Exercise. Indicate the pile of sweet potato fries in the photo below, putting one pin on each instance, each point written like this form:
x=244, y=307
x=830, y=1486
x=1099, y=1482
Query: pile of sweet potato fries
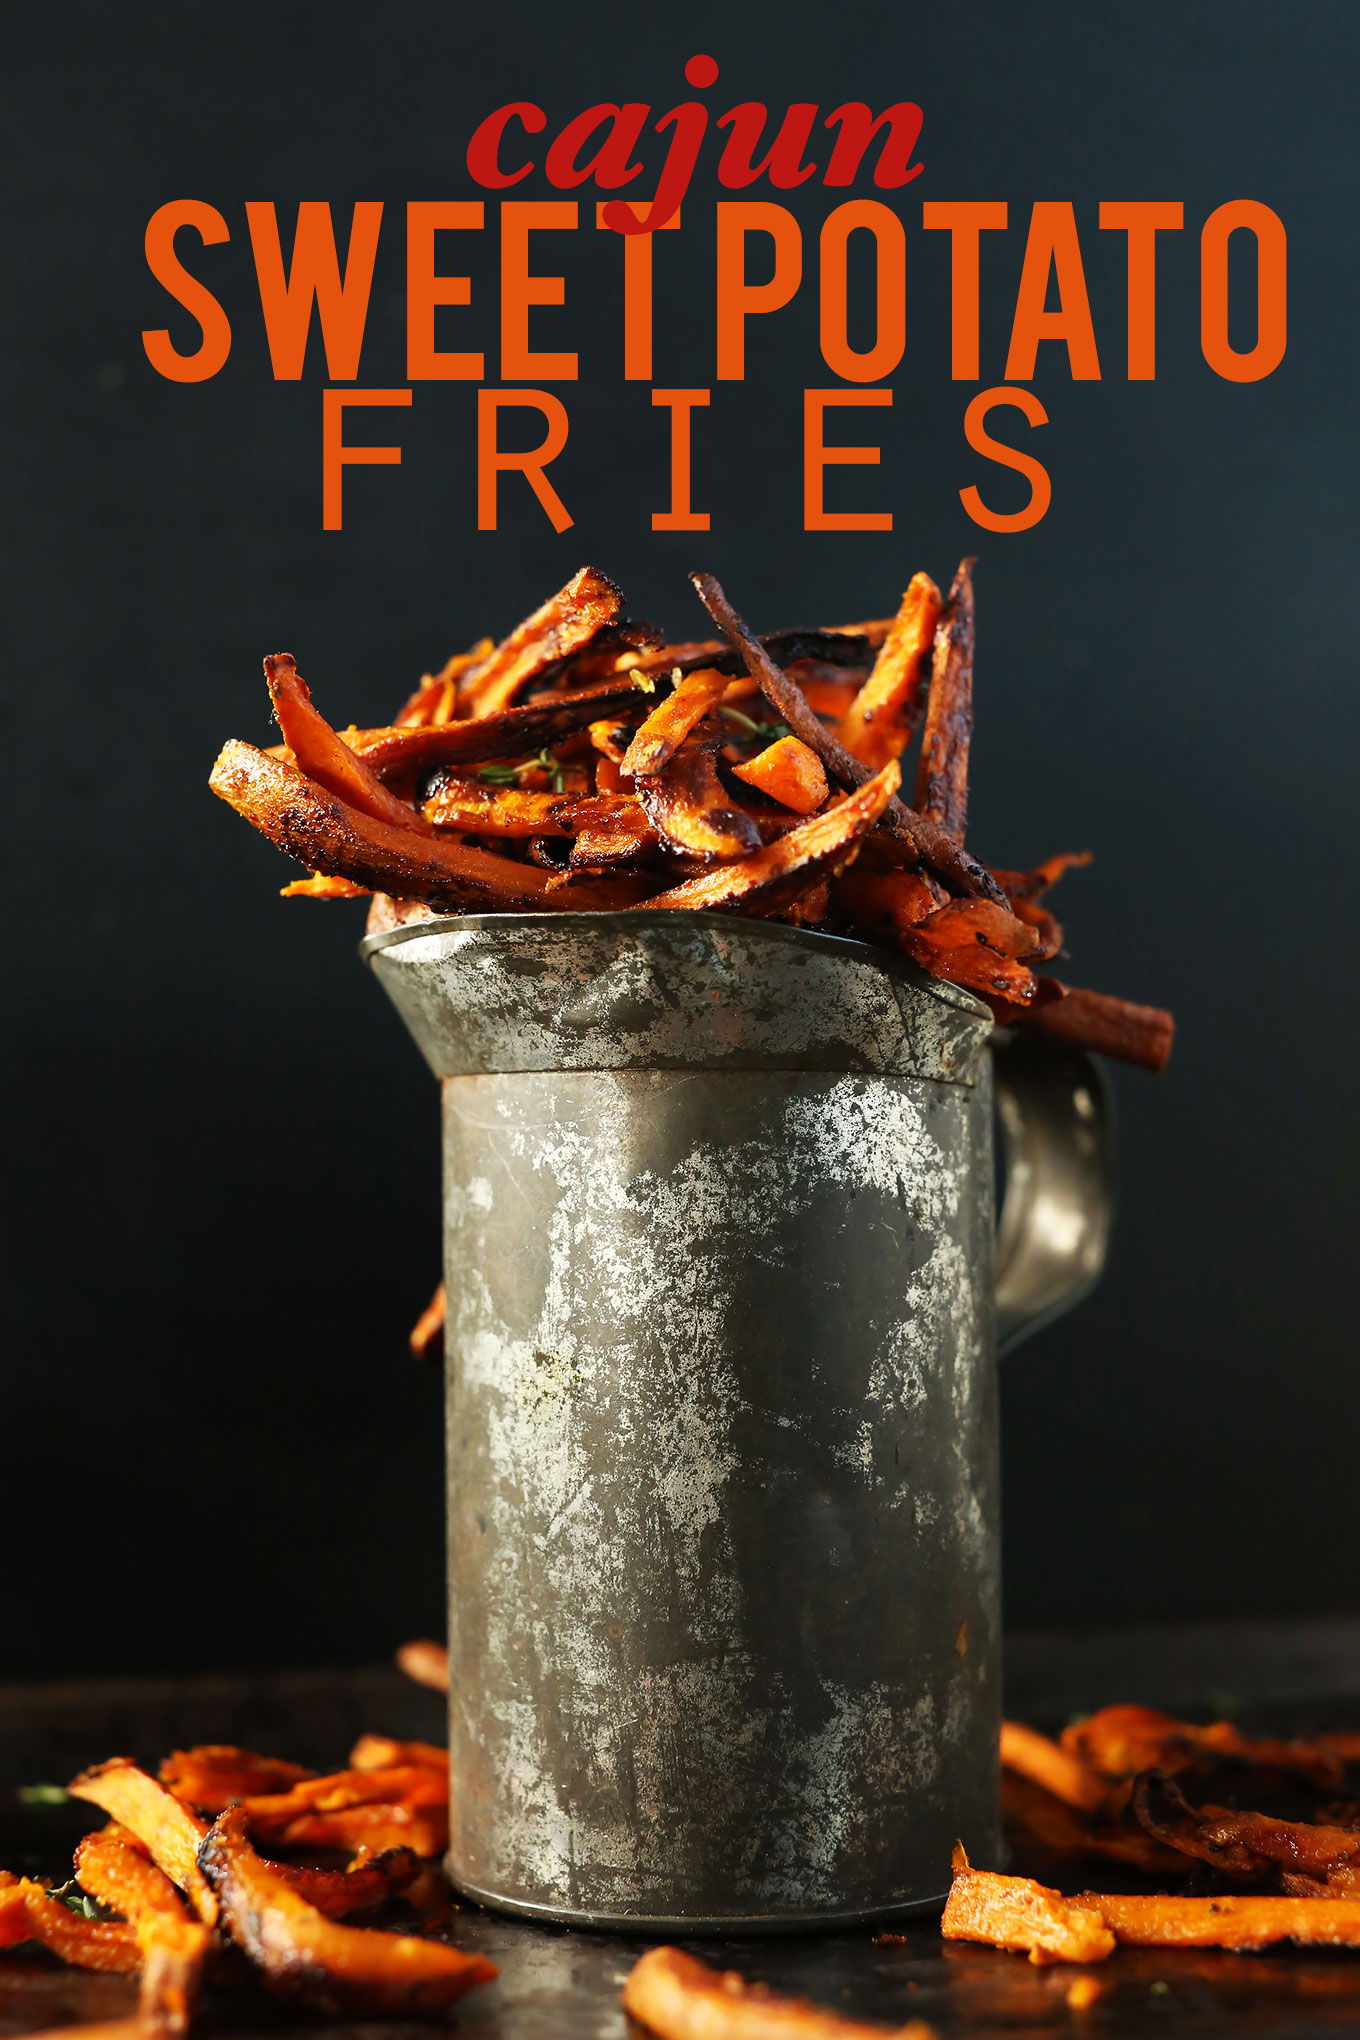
x=583, y=764
x=180, y=1874
x=1163, y=1800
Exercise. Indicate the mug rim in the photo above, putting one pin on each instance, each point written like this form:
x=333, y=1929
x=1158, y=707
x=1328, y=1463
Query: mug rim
x=890, y=961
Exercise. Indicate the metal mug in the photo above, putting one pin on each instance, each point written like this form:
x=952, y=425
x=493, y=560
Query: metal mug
x=724, y=1644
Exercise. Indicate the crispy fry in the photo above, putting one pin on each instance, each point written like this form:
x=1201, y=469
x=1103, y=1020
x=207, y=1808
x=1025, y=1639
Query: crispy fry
x=883, y=717
x=788, y=772
x=612, y=832
x=1031, y=885
x=671, y=721
x=1119, y=1741
x=337, y=1893
x=1244, y=1845
x=302, y=1953
x=1035, y=1756
x=689, y=808
x=509, y=811
x=566, y=623
x=933, y=844
x=1049, y=1829
x=976, y=944
x=165, y=1826
x=426, y=1662
x=883, y=905
x=1116, y=1027
x=678, y=1997
x=324, y=757
x=174, y=1947
x=398, y=755
x=942, y=777
x=322, y=832
x=211, y=1775
x=320, y=887
x=28, y=1912
x=435, y=701
x=1017, y=1913
x=368, y=1831
x=1232, y=1921
x=415, y=1785
x=793, y=862
x=381, y=1753
x=427, y=1333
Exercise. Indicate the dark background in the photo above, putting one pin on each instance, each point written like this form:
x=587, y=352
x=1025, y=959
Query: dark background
x=222, y=1148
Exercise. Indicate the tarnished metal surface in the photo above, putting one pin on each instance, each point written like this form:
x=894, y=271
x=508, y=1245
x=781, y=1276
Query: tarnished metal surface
x=721, y=1419
x=668, y=991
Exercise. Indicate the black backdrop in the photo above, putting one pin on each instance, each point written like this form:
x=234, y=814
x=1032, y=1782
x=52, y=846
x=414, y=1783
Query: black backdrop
x=223, y=1150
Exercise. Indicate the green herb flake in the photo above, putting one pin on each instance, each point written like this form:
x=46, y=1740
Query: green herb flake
x=43, y=1795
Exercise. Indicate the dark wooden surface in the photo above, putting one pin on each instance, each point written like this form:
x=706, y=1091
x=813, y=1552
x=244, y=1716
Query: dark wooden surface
x=562, y=1985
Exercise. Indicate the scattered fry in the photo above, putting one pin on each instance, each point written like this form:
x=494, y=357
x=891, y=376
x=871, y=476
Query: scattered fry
x=426, y=1662
x=167, y=1829
x=1057, y=1770
x=1017, y=1913
x=427, y=1333
x=28, y=1912
x=678, y=1997
x=300, y=1952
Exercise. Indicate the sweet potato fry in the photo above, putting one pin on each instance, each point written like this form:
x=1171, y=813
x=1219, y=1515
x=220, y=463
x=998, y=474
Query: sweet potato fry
x=174, y=1947
x=1232, y=1921
x=614, y=830
x=1037, y=1757
x=788, y=772
x=302, y=1953
x=884, y=715
x=933, y=844
x=320, y=887
x=337, y=1893
x=28, y=1912
x=168, y=1829
x=884, y=905
x=942, y=776
x=566, y=623
x=370, y=1830
x=1243, y=1845
x=1032, y=885
x=324, y=833
x=978, y=945
x=427, y=1333
x=793, y=862
x=1115, y=1027
x=509, y=811
x=211, y=1775
x=425, y=1661
x=323, y=756
x=398, y=755
x=1048, y=1829
x=1017, y=1913
x=406, y=1784
x=435, y=701
x=1119, y=1741
x=689, y=808
x=671, y=721
x=677, y=1997
x=381, y=1753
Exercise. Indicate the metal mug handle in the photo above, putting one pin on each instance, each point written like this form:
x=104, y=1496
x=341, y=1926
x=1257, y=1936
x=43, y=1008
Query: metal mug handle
x=1056, y=1116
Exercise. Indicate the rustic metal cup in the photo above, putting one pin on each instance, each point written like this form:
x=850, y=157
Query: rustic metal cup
x=724, y=1643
